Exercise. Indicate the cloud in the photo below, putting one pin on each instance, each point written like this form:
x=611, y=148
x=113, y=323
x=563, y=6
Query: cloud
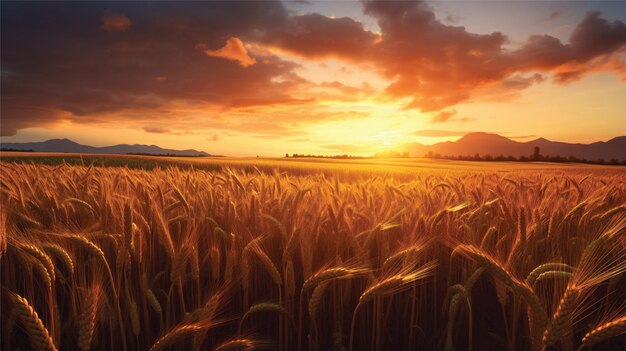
x=66, y=70
x=156, y=130
x=444, y=116
x=520, y=82
x=593, y=39
x=269, y=101
x=115, y=22
x=93, y=65
x=441, y=65
x=522, y=136
x=161, y=130
x=318, y=36
x=233, y=50
x=438, y=65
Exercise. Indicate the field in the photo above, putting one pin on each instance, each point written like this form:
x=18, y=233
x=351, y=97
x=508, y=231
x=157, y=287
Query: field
x=278, y=254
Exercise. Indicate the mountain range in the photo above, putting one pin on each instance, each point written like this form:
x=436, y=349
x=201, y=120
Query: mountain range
x=495, y=145
x=66, y=145
x=471, y=144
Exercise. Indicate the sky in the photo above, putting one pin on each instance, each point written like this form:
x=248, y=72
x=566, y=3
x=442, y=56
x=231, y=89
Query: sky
x=315, y=77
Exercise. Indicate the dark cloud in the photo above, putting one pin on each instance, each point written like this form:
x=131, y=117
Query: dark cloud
x=162, y=130
x=441, y=65
x=593, y=38
x=156, y=130
x=63, y=65
x=318, y=36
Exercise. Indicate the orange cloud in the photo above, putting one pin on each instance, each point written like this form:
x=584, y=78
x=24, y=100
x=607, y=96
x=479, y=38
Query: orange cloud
x=234, y=51
x=114, y=22
x=444, y=116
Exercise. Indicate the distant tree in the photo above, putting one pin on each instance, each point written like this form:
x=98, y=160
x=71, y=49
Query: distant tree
x=286, y=155
x=536, y=154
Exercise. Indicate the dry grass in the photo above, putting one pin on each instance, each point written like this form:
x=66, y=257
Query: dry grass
x=352, y=257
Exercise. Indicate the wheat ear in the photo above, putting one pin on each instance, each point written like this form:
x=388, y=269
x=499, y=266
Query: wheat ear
x=604, y=332
x=236, y=344
x=87, y=320
x=265, y=307
x=62, y=255
x=175, y=335
x=557, y=329
x=37, y=332
x=546, y=267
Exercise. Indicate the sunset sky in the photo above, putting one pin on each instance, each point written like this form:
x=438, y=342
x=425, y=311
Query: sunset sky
x=331, y=77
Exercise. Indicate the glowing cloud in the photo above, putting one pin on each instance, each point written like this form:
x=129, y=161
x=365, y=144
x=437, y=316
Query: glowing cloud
x=233, y=50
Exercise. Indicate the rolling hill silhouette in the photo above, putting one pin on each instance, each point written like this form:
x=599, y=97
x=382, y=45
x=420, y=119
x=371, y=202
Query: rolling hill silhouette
x=69, y=146
x=494, y=144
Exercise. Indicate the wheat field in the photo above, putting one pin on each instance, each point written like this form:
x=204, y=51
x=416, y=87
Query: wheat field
x=245, y=258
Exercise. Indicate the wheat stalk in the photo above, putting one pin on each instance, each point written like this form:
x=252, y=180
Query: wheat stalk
x=538, y=318
x=134, y=318
x=269, y=267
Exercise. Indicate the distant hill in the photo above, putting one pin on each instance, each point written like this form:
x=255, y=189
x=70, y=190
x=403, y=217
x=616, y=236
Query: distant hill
x=66, y=145
x=494, y=144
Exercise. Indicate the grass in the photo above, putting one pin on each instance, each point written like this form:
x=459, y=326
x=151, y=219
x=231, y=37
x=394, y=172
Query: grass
x=278, y=254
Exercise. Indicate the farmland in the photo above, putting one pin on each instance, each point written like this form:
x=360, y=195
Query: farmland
x=241, y=254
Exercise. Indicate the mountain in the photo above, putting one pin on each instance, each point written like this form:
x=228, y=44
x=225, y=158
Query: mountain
x=66, y=145
x=494, y=144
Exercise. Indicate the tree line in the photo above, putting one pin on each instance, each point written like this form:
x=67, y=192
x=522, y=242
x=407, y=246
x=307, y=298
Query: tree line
x=535, y=157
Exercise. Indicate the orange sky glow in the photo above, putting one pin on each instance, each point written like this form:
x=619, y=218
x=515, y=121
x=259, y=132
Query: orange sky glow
x=269, y=78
